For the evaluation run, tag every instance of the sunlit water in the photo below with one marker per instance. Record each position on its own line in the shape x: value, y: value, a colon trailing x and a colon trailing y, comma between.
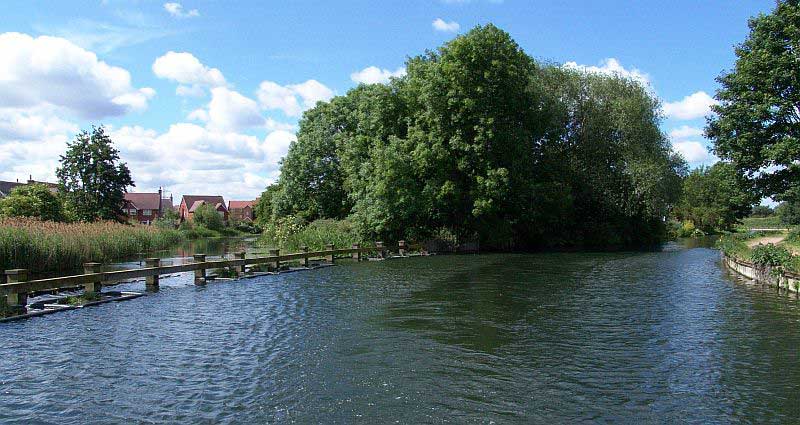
x: 657, y: 337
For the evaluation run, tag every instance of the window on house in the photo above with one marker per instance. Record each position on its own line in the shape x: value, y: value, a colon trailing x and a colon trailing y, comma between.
x: 147, y: 213
x: 132, y: 211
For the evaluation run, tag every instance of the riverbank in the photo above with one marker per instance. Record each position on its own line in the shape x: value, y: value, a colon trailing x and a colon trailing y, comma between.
x: 767, y: 257
x: 45, y: 247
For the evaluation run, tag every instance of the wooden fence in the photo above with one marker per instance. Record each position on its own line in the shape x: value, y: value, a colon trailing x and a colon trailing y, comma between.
x: 18, y: 287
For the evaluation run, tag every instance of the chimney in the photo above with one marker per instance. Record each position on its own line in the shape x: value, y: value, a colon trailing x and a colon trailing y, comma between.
x: 160, y: 207
x: 30, y: 178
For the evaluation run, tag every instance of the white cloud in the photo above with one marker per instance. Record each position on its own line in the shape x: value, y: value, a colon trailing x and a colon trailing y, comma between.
x: 176, y: 10
x: 236, y: 165
x: 440, y: 24
x: 230, y: 110
x: 684, y: 132
x: 51, y: 71
x: 292, y: 99
x: 374, y: 75
x: 696, y: 105
x: 185, y: 69
x: 611, y: 66
x: 695, y: 153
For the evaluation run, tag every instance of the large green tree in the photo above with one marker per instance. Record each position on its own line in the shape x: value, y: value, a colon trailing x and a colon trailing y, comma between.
x: 757, y: 122
x: 715, y: 198
x: 92, y: 178
x: 33, y: 200
x: 479, y: 141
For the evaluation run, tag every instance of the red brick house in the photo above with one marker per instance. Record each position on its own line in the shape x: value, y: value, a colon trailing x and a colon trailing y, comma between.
x: 242, y: 210
x: 144, y: 208
x: 190, y: 203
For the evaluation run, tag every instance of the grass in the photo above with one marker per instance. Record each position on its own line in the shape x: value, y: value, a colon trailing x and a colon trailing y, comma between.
x: 44, y: 246
x: 773, y: 222
x: 736, y: 245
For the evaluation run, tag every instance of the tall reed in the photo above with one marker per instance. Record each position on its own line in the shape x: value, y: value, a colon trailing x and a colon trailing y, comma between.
x: 45, y: 246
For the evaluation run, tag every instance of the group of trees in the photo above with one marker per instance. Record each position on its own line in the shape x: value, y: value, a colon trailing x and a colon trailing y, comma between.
x: 480, y: 141
x: 92, y: 184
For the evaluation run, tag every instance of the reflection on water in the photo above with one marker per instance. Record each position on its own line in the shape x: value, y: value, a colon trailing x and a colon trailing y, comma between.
x: 652, y: 337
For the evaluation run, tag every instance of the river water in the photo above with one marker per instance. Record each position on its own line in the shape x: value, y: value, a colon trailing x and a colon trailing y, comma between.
x: 655, y: 337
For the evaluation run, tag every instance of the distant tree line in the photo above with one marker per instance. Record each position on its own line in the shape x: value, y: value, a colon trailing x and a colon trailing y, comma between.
x: 479, y: 141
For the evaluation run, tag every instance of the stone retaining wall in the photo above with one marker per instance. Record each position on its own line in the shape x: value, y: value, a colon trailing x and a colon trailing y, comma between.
x: 786, y: 280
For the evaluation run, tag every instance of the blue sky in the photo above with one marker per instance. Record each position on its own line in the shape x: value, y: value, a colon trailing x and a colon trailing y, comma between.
x: 216, y: 114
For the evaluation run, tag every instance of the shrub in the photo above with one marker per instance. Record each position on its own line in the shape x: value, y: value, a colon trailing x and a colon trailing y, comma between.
x: 33, y: 200
x: 774, y: 258
x: 207, y: 216
x: 290, y: 233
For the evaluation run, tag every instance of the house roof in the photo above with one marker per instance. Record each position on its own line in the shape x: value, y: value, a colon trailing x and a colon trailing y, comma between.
x: 6, y: 187
x: 166, y: 204
x: 143, y: 201
x: 191, y: 200
x: 240, y: 204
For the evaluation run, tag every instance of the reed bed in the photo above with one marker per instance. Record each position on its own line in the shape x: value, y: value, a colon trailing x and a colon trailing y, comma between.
x: 45, y: 246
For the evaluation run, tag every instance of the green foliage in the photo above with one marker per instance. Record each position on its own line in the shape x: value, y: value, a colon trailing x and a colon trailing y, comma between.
x: 789, y: 211
x: 92, y: 179
x: 291, y: 233
x: 775, y: 258
x: 687, y: 229
x: 44, y: 246
x: 761, y: 211
x: 33, y: 200
x: 715, y: 198
x: 168, y: 221
x: 207, y: 216
x: 734, y: 245
x: 757, y: 122
x: 480, y: 141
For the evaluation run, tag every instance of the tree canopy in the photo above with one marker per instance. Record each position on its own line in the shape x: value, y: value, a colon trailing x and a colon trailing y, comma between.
x: 92, y: 179
x: 33, y: 200
x: 480, y: 141
x: 757, y: 122
x: 715, y: 198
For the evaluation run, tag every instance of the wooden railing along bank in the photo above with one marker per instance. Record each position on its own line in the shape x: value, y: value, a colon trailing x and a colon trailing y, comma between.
x: 18, y: 286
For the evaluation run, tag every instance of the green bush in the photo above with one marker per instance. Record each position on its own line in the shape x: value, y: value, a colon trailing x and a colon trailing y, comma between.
x: 775, y: 257
x: 35, y: 201
x: 207, y: 216
x: 290, y: 233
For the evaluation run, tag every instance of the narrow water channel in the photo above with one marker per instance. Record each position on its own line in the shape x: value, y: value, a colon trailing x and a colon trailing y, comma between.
x: 655, y: 337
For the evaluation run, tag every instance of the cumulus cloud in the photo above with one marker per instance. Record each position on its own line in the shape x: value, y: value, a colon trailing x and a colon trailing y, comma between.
x: 696, y: 105
x: 176, y: 10
x: 51, y: 71
x: 374, y: 75
x: 292, y: 99
x: 440, y: 24
x: 611, y: 66
x: 236, y: 165
x: 695, y: 153
x: 684, y: 132
x: 185, y: 69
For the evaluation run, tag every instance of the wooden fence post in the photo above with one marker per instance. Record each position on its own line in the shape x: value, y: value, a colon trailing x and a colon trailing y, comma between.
x: 329, y: 257
x: 152, y: 282
x: 276, y: 264
x: 401, y: 248
x: 304, y: 249
x: 17, y: 299
x: 200, y: 274
x: 93, y: 286
x: 240, y: 256
x: 381, y: 249
x: 357, y: 254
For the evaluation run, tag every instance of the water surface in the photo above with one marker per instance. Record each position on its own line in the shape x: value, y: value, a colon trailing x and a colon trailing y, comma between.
x: 657, y: 337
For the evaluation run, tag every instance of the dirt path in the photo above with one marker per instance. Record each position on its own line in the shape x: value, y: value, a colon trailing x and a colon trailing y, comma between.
x: 773, y: 239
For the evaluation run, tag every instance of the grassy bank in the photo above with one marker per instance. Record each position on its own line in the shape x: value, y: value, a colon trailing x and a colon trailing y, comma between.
x: 778, y: 250
x: 49, y: 247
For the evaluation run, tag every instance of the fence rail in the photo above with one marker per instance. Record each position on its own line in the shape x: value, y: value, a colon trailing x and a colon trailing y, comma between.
x: 18, y: 286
